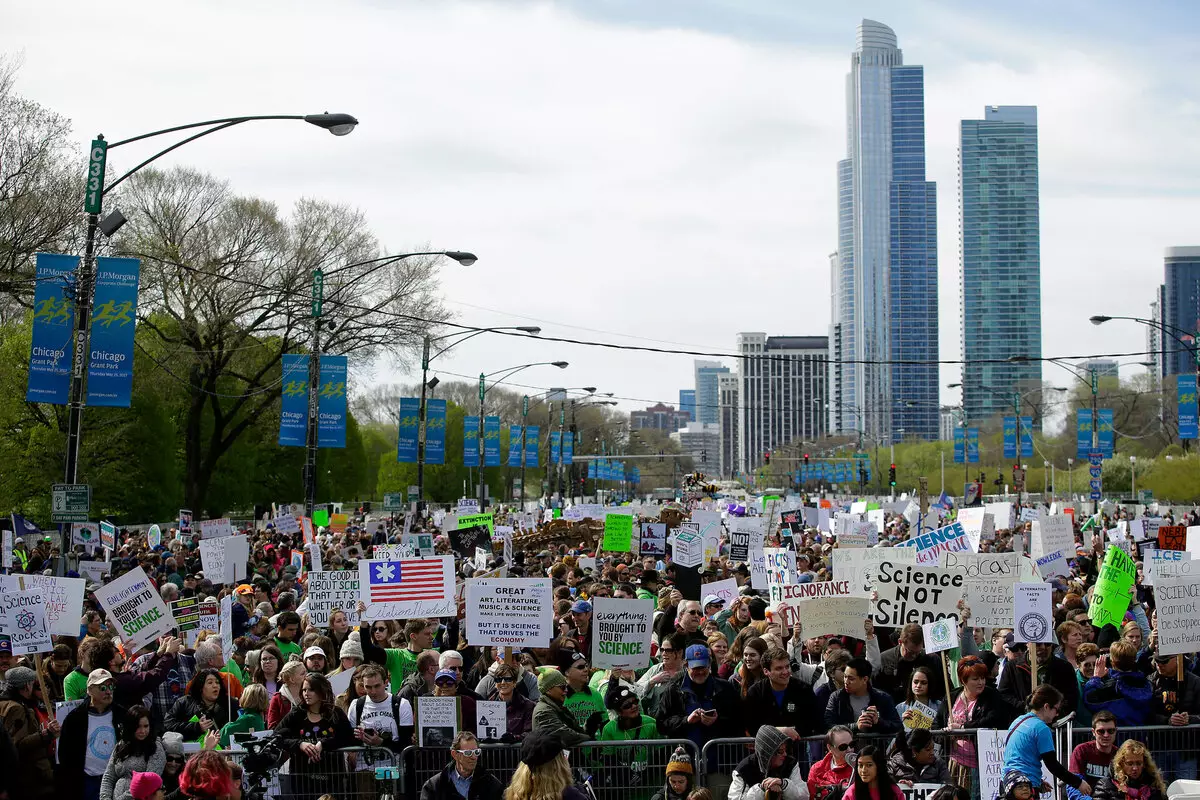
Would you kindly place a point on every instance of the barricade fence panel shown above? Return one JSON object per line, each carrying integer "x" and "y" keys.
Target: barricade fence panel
{"x": 356, "y": 773}
{"x": 1175, "y": 749}
{"x": 422, "y": 763}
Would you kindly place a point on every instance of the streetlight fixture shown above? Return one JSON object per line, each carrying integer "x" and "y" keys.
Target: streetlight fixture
{"x": 525, "y": 406}
{"x": 93, "y": 202}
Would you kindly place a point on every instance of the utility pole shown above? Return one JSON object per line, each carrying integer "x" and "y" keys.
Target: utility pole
{"x": 482, "y": 393}
{"x": 1095, "y": 428}
{"x": 421, "y": 423}
{"x": 524, "y": 428}
{"x": 314, "y": 389}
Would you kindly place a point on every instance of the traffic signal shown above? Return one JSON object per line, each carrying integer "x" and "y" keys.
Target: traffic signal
{"x": 806, "y": 459}
{"x": 767, "y": 457}
{"x": 892, "y": 475}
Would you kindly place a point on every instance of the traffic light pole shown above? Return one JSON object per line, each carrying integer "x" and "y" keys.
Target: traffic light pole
{"x": 312, "y": 430}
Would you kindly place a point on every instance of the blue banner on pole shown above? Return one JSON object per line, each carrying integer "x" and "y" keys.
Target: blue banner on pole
{"x": 960, "y": 446}
{"x": 972, "y": 445}
{"x": 114, "y": 318}
{"x": 471, "y": 441}
{"x": 531, "y": 446}
{"x": 491, "y": 441}
{"x": 293, "y": 403}
{"x": 591, "y": 473}
{"x": 1105, "y": 432}
{"x": 1026, "y": 437}
{"x": 568, "y": 447}
{"x": 1083, "y": 432}
{"x": 636, "y": 475}
{"x": 331, "y": 402}
{"x": 53, "y": 326}
{"x": 410, "y": 427}
{"x": 1189, "y": 412}
{"x": 435, "y": 432}
{"x": 554, "y": 437}
{"x": 1010, "y": 437}
{"x": 514, "y": 445}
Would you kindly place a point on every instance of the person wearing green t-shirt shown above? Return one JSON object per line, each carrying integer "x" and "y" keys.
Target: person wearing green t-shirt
{"x": 287, "y": 628}
{"x": 585, "y": 703}
{"x": 648, "y": 585}
{"x": 401, "y": 662}
{"x": 630, "y": 725}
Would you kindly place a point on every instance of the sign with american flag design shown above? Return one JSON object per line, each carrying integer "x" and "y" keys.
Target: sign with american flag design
{"x": 396, "y": 588}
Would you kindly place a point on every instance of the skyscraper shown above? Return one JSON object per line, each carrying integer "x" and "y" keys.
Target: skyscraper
{"x": 687, "y": 402}
{"x": 1180, "y": 307}
{"x": 728, "y": 389}
{"x": 707, "y": 401}
{"x": 783, "y": 393}
{"x": 1001, "y": 258}
{"x": 885, "y": 288}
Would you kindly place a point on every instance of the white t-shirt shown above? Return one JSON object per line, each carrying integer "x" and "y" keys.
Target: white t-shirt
{"x": 101, "y": 739}
{"x": 378, "y": 716}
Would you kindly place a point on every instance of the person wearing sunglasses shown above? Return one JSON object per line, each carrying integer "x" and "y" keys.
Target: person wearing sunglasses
{"x": 1093, "y": 760}
{"x": 173, "y": 745}
{"x": 463, "y": 777}
{"x": 1176, "y": 698}
{"x": 833, "y": 773}
{"x": 89, "y": 734}
{"x": 519, "y": 708}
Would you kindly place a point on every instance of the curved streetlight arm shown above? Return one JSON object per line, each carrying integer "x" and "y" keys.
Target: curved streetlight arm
{"x": 223, "y": 122}
{"x": 509, "y": 372}
{"x": 472, "y": 334}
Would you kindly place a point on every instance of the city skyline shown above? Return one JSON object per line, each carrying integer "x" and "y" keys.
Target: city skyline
{"x": 717, "y": 162}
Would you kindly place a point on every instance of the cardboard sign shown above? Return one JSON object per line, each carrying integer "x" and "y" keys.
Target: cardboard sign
{"x": 1033, "y": 613}
{"x": 745, "y": 535}
{"x": 618, "y": 533}
{"x": 215, "y": 528}
{"x": 24, "y": 622}
{"x": 1178, "y": 604}
{"x": 332, "y": 591}
{"x": 135, "y": 609}
{"x": 63, "y": 598}
{"x": 1172, "y": 537}
{"x": 930, "y": 546}
{"x": 621, "y": 631}
{"x": 940, "y": 635}
{"x": 512, "y": 612}
{"x": 1052, "y": 534}
{"x": 859, "y": 565}
{"x": 437, "y": 721}
{"x": 491, "y": 720}
{"x": 907, "y": 594}
{"x": 653, "y": 540}
{"x": 758, "y": 570}
{"x": 1110, "y": 597}
{"x": 830, "y": 615}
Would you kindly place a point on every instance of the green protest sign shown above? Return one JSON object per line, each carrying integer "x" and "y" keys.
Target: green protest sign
{"x": 471, "y": 520}
{"x": 766, "y": 500}
{"x": 618, "y": 532}
{"x": 320, "y": 517}
{"x": 1110, "y": 599}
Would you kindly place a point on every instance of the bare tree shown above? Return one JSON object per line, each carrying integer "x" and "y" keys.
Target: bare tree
{"x": 226, "y": 290}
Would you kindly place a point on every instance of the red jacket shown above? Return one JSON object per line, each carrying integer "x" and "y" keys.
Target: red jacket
{"x": 824, "y": 776}
{"x": 277, "y": 709}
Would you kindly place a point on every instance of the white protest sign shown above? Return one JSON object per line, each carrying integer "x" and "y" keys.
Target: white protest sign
{"x": 63, "y": 598}
{"x": 931, "y": 545}
{"x": 848, "y": 540}
{"x": 1178, "y": 604}
{"x": 746, "y": 534}
{"x": 858, "y": 565}
{"x": 1006, "y": 567}
{"x": 1033, "y": 612}
{"x": 332, "y": 591}
{"x": 25, "y": 622}
{"x": 224, "y": 560}
{"x": 908, "y": 593}
{"x": 758, "y": 569}
{"x": 339, "y": 682}
{"x": 688, "y": 549}
{"x": 215, "y": 528}
{"x": 1030, "y": 514}
{"x": 135, "y": 608}
{"x": 226, "y": 626}
{"x": 512, "y": 612}
{"x": 1053, "y": 565}
{"x": 437, "y": 721}
{"x": 727, "y": 590}
{"x": 829, "y": 615}
{"x": 314, "y": 556}
{"x": 505, "y": 534}
{"x": 1052, "y": 534}
{"x": 287, "y": 524}
{"x": 621, "y": 631}
{"x": 877, "y": 518}
{"x": 867, "y": 530}
{"x": 991, "y": 603}
{"x": 491, "y": 720}
{"x": 407, "y": 588}
{"x": 1002, "y": 514}
{"x": 972, "y": 521}
{"x": 781, "y": 566}
{"x": 794, "y": 592}
{"x": 482, "y": 556}
{"x": 989, "y": 744}
{"x": 1167, "y": 564}
{"x": 653, "y": 540}
{"x": 940, "y": 635}
{"x": 93, "y": 571}
{"x": 85, "y": 534}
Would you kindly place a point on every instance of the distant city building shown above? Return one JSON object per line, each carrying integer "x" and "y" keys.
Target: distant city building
{"x": 706, "y": 390}
{"x": 885, "y": 283}
{"x": 1104, "y": 367}
{"x": 1154, "y": 337}
{"x": 660, "y": 417}
{"x": 702, "y": 442}
{"x": 687, "y": 401}
{"x": 948, "y": 420}
{"x": 1001, "y": 258}
{"x": 730, "y": 414}
{"x": 783, "y": 393}
{"x": 1180, "y": 307}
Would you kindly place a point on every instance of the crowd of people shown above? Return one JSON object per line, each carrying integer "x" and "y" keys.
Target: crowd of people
{"x": 819, "y": 718}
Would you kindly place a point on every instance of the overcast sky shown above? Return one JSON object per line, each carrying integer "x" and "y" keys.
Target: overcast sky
{"x": 650, "y": 172}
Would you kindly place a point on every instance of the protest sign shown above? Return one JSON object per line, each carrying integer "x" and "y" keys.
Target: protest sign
{"x": 226, "y": 626}
{"x": 931, "y": 545}
{"x": 63, "y": 598}
{"x": 621, "y": 631}
{"x": 407, "y": 588}
{"x": 1178, "y": 604}
{"x": 985, "y": 566}
{"x": 653, "y": 540}
{"x": 990, "y": 601}
{"x": 922, "y": 716}
{"x": 464, "y": 540}
{"x": 940, "y": 635}
{"x": 224, "y": 560}
{"x": 6, "y": 545}
{"x": 153, "y": 536}
{"x": 437, "y": 721}
{"x": 1053, "y": 565}
{"x": 471, "y": 520}
{"x": 491, "y": 720}
{"x": 332, "y": 591}
{"x": 286, "y": 524}
{"x": 745, "y": 535}
{"x": 1167, "y": 564}
{"x": 1002, "y": 514}
{"x": 758, "y": 570}
{"x": 859, "y": 565}
{"x": 340, "y": 681}
{"x": 25, "y": 622}
{"x": 1111, "y": 595}
{"x": 135, "y": 609}
{"x": 314, "y": 556}
{"x": 867, "y": 530}
{"x": 727, "y": 590}
{"x": 848, "y": 540}
{"x": 688, "y": 549}
{"x": 908, "y": 593}
{"x": 85, "y": 534}
{"x": 990, "y": 744}
{"x": 108, "y": 535}
{"x": 1033, "y": 613}
{"x": 185, "y": 521}
{"x": 1052, "y": 534}
{"x": 828, "y": 615}
{"x": 512, "y": 612}
{"x": 392, "y": 552}
{"x": 215, "y": 528}
{"x": 306, "y": 530}
{"x": 618, "y": 533}
{"x": 781, "y": 566}
{"x": 793, "y": 592}
{"x": 95, "y": 571}
{"x": 1172, "y": 537}
{"x": 186, "y": 613}
{"x": 483, "y": 557}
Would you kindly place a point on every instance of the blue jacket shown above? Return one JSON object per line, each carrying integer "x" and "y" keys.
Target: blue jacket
{"x": 1126, "y": 694}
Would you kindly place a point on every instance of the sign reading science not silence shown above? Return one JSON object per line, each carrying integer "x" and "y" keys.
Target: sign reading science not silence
{"x": 909, "y": 593}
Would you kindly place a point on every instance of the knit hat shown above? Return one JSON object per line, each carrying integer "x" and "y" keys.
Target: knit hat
{"x": 549, "y": 679}
{"x": 680, "y": 763}
{"x": 541, "y": 747}
{"x": 766, "y": 742}
{"x": 1011, "y": 780}
{"x": 144, "y": 785}
{"x": 20, "y": 677}
{"x": 351, "y": 649}
{"x": 173, "y": 743}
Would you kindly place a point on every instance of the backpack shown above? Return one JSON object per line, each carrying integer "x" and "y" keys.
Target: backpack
{"x": 361, "y": 702}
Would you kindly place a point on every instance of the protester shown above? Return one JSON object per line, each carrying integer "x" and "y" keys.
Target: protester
{"x": 860, "y": 705}
{"x": 543, "y": 773}
{"x": 782, "y": 699}
{"x": 871, "y": 778}
{"x": 698, "y": 705}
{"x": 32, "y": 740}
{"x": 463, "y": 777}
{"x": 833, "y": 773}
{"x": 898, "y": 663}
{"x": 401, "y": 662}
{"x": 916, "y": 761}
{"x": 380, "y": 718}
{"x": 1122, "y": 689}
{"x": 1134, "y": 776}
{"x": 1030, "y": 743}
{"x": 88, "y": 738}
{"x": 206, "y": 707}
{"x": 975, "y": 704}
{"x": 551, "y": 716}
{"x": 1093, "y": 760}
{"x": 518, "y": 708}
{"x": 252, "y": 714}
{"x": 207, "y": 776}
{"x": 769, "y": 771}
{"x": 311, "y": 733}
{"x": 288, "y": 696}
{"x": 138, "y": 750}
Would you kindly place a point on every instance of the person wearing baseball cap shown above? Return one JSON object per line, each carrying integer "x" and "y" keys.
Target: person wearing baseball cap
{"x": 699, "y": 705}
{"x": 713, "y": 605}
{"x": 83, "y": 756}
{"x": 581, "y": 615}
{"x": 314, "y": 659}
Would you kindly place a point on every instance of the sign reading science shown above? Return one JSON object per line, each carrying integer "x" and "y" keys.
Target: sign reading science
{"x": 908, "y": 593}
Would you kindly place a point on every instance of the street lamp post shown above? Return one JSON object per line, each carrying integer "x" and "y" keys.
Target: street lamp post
{"x": 93, "y": 201}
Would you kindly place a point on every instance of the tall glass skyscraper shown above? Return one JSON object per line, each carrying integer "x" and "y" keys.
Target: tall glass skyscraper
{"x": 885, "y": 295}
{"x": 1001, "y": 258}
{"x": 1181, "y": 306}
{"x": 707, "y": 397}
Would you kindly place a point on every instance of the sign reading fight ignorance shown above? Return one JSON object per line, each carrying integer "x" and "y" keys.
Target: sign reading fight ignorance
{"x": 915, "y": 594}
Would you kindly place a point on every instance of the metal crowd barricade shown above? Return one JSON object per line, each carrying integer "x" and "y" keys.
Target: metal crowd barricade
{"x": 1175, "y": 749}
{"x": 422, "y": 763}
{"x": 629, "y": 770}
{"x": 355, "y": 773}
